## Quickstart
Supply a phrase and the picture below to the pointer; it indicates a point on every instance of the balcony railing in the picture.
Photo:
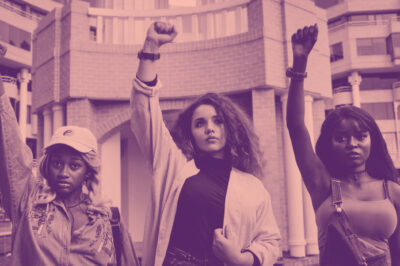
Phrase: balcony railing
(117, 26)
(341, 89)
(8, 79)
(17, 10)
(367, 22)
(342, 95)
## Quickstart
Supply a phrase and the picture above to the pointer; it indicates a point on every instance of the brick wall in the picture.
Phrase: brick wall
(94, 80)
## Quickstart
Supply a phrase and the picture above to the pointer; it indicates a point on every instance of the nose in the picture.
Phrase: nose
(209, 129)
(353, 142)
(63, 172)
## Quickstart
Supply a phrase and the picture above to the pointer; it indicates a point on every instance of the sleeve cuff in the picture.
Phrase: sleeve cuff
(150, 89)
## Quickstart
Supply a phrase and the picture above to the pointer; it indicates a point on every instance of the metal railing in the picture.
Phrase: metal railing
(120, 26)
(367, 22)
(342, 89)
(16, 9)
(9, 79)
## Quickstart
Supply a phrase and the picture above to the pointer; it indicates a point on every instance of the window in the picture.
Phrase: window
(393, 44)
(378, 81)
(336, 51)
(379, 111)
(358, 18)
(28, 114)
(371, 46)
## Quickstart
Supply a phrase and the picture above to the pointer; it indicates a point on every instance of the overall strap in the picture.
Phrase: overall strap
(336, 195)
(386, 189)
(115, 226)
(352, 238)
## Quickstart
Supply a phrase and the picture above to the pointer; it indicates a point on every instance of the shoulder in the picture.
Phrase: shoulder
(250, 182)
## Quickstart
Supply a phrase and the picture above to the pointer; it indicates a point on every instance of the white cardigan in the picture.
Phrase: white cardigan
(248, 209)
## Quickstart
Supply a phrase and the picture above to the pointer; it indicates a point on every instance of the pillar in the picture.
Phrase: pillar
(110, 175)
(47, 126)
(294, 184)
(355, 79)
(58, 116)
(23, 77)
(310, 226)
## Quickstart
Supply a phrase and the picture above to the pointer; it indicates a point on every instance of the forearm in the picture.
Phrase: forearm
(147, 70)
(295, 102)
(15, 158)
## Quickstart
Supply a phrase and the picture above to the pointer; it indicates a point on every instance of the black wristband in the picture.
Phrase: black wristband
(295, 75)
(148, 56)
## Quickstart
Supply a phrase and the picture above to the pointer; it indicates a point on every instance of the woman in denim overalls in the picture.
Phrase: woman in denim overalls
(352, 155)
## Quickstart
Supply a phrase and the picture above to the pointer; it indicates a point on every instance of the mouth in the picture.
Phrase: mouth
(211, 139)
(63, 184)
(353, 155)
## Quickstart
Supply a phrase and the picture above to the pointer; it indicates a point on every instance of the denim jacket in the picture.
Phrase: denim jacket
(248, 208)
(42, 226)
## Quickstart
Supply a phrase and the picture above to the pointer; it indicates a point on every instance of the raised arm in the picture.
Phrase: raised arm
(312, 170)
(147, 121)
(15, 158)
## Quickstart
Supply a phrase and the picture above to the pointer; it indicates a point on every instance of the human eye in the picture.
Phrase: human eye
(362, 135)
(57, 164)
(340, 138)
(198, 123)
(75, 165)
(218, 120)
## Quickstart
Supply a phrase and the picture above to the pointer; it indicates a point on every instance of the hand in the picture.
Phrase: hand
(158, 34)
(226, 249)
(303, 41)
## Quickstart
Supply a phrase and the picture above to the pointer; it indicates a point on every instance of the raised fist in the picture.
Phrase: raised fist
(161, 33)
(303, 40)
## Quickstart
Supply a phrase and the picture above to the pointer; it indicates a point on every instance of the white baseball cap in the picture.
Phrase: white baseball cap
(79, 138)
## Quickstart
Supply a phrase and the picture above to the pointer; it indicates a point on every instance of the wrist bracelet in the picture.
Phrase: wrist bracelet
(295, 75)
(148, 56)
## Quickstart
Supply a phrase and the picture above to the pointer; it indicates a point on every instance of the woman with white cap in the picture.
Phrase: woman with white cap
(56, 221)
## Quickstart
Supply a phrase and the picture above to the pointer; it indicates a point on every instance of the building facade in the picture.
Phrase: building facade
(364, 38)
(84, 60)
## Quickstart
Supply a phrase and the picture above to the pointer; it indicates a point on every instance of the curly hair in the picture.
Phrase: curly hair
(92, 162)
(242, 145)
(379, 164)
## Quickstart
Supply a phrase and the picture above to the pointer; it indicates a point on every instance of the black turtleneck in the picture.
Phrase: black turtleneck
(201, 208)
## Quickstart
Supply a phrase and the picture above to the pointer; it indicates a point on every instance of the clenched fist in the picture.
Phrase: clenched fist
(158, 34)
(303, 40)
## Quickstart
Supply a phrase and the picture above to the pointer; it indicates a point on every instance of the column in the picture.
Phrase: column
(47, 126)
(23, 77)
(110, 175)
(355, 79)
(210, 25)
(99, 29)
(310, 226)
(294, 193)
(195, 27)
(58, 116)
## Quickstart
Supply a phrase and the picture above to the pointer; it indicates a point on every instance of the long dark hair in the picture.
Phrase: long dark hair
(242, 145)
(379, 164)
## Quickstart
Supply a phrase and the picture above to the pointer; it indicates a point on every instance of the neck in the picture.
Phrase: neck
(72, 199)
(358, 176)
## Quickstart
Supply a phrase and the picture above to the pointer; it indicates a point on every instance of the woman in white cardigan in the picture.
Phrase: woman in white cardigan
(207, 207)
